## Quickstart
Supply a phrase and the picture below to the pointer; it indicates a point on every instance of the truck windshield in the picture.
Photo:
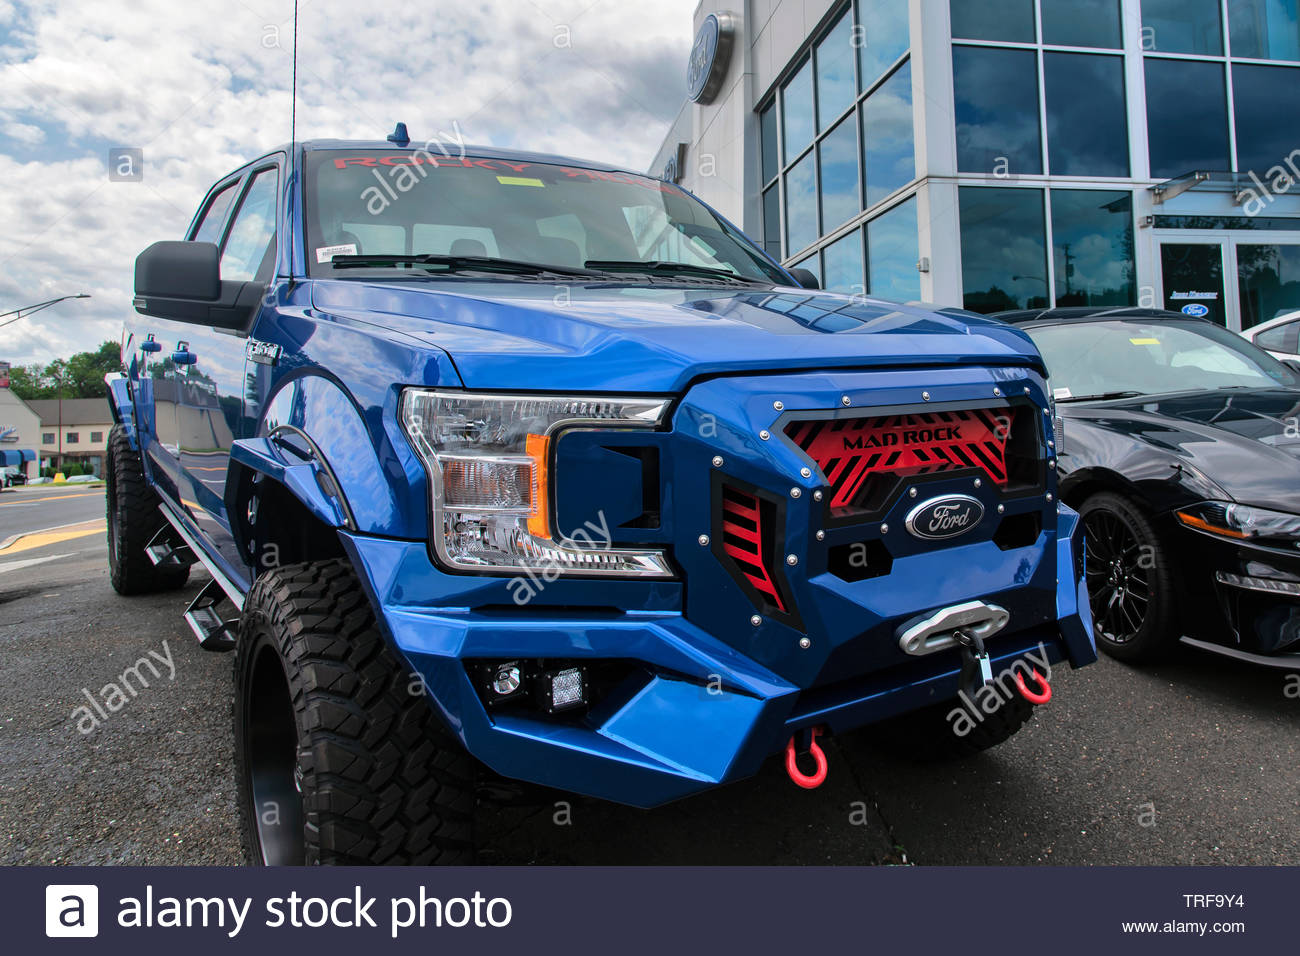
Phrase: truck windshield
(412, 209)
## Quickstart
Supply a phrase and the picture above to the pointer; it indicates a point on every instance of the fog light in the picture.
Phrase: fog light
(562, 689)
(506, 680)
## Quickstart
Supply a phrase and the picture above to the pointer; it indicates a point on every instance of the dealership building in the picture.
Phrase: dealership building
(1001, 154)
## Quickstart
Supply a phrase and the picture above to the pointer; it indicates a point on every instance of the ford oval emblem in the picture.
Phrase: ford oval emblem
(1196, 309)
(945, 517)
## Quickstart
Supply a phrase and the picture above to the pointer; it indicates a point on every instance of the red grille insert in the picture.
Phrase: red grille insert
(851, 451)
(743, 541)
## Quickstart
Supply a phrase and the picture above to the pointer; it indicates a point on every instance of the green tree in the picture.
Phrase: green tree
(82, 376)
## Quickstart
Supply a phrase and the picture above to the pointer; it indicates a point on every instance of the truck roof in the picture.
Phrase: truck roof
(483, 152)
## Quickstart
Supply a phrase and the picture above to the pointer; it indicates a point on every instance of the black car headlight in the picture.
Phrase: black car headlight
(489, 463)
(1243, 523)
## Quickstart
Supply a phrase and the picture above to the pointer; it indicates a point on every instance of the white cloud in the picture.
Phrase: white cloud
(202, 88)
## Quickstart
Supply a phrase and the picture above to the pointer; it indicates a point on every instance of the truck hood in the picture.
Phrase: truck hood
(613, 336)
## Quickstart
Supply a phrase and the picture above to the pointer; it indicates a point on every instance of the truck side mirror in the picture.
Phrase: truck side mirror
(805, 277)
(182, 281)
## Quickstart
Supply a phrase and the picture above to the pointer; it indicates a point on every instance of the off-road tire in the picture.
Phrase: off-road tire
(132, 519)
(1158, 634)
(928, 735)
(324, 707)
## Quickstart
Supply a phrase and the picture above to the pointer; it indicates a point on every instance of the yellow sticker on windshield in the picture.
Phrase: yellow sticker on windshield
(520, 181)
(1145, 341)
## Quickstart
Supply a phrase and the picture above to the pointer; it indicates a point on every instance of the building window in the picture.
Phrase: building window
(47, 438)
(1269, 280)
(1011, 20)
(842, 265)
(885, 30)
(1082, 23)
(888, 150)
(96, 437)
(829, 151)
(892, 254)
(835, 86)
(1262, 94)
(72, 438)
(801, 205)
(1086, 135)
(997, 111)
(1003, 249)
(798, 112)
(1264, 29)
(837, 172)
(1182, 26)
(1092, 247)
(1187, 117)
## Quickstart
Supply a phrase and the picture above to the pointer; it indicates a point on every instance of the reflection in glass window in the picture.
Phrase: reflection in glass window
(835, 90)
(838, 158)
(767, 133)
(886, 32)
(842, 264)
(1269, 279)
(1003, 248)
(993, 20)
(892, 255)
(215, 217)
(251, 238)
(1187, 117)
(997, 110)
(1263, 95)
(800, 206)
(1092, 242)
(889, 156)
(772, 222)
(1086, 135)
(1264, 29)
(1182, 26)
(1082, 23)
(797, 115)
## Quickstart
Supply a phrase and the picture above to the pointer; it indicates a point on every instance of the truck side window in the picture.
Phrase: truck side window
(214, 216)
(249, 252)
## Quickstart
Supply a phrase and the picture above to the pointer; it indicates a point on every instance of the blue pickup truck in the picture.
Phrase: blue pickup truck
(511, 467)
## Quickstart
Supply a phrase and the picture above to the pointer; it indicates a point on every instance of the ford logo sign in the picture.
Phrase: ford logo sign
(945, 517)
(1196, 309)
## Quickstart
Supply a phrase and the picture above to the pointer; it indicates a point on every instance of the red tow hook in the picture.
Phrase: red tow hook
(792, 767)
(1034, 697)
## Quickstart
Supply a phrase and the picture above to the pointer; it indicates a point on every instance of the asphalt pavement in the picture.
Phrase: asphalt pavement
(1191, 762)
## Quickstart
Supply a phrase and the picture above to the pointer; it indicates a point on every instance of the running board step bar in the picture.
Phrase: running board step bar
(166, 549)
(215, 633)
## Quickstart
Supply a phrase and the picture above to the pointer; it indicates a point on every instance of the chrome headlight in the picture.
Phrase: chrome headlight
(1243, 523)
(489, 464)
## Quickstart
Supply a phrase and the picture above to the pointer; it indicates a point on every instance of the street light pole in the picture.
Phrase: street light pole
(26, 310)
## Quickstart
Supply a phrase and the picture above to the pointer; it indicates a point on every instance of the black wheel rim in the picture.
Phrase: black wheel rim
(274, 780)
(1118, 574)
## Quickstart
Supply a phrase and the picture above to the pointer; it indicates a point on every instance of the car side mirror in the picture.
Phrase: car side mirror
(805, 277)
(182, 281)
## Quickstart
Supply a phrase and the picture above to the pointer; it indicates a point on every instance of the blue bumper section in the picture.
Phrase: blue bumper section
(707, 714)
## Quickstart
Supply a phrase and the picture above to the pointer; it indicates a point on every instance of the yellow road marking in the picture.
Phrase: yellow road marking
(42, 538)
(83, 494)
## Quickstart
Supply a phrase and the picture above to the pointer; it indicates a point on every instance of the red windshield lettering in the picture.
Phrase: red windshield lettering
(354, 161)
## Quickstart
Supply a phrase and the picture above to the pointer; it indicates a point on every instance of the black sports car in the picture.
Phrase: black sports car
(1181, 451)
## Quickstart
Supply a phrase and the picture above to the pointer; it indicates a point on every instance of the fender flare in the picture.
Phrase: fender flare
(308, 479)
(121, 405)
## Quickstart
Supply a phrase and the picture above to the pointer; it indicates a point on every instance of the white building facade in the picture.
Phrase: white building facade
(1004, 154)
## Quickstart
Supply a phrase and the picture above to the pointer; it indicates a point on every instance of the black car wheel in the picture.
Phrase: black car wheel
(1130, 587)
(133, 519)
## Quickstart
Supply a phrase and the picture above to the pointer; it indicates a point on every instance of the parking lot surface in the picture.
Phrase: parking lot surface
(1190, 762)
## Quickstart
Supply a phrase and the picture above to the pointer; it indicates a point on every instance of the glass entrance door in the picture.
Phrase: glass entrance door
(1192, 275)
(1268, 281)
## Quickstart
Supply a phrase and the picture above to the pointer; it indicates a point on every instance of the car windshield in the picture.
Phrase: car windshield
(414, 203)
(1122, 358)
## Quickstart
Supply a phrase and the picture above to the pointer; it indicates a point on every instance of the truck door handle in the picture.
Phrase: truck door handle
(183, 355)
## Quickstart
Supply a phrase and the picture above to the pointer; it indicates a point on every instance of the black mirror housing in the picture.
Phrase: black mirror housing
(805, 277)
(182, 281)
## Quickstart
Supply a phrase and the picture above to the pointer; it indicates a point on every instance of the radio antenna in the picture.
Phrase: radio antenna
(293, 92)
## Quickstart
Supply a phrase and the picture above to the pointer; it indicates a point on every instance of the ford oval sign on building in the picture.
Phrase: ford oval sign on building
(710, 57)
(945, 517)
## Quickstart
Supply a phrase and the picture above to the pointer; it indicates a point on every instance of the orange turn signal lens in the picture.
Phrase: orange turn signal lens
(1200, 524)
(538, 448)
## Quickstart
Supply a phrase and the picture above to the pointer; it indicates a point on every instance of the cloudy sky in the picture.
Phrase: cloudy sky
(201, 88)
